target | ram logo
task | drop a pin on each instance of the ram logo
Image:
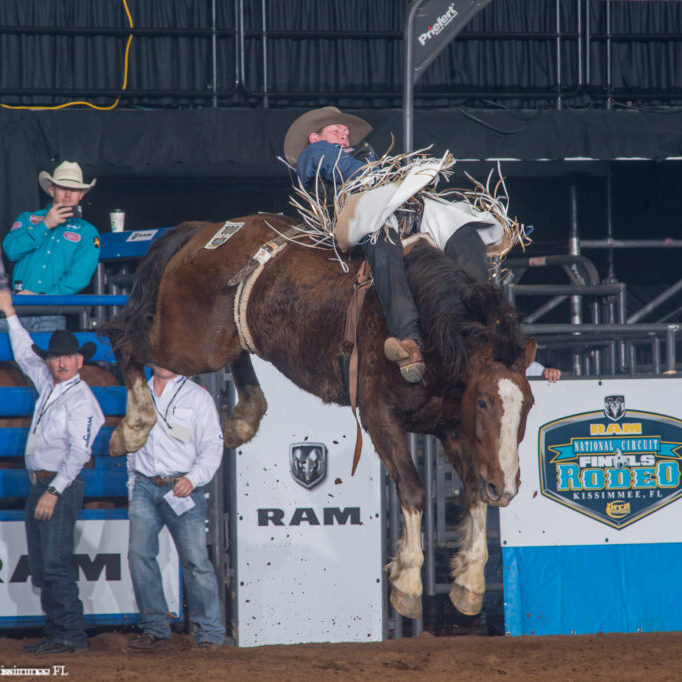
(308, 463)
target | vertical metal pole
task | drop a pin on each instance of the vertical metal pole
(612, 344)
(609, 222)
(396, 619)
(228, 571)
(588, 45)
(622, 319)
(417, 623)
(596, 353)
(429, 534)
(574, 250)
(558, 53)
(632, 355)
(238, 44)
(242, 48)
(608, 55)
(99, 289)
(580, 43)
(215, 504)
(671, 337)
(656, 354)
(264, 47)
(214, 54)
(408, 78)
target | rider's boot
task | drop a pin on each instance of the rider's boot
(408, 354)
(404, 346)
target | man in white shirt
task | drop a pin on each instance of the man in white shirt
(535, 369)
(166, 478)
(66, 419)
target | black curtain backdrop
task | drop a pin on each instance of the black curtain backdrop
(236, 144)
(488, 58)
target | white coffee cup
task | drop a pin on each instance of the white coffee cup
(117, 218)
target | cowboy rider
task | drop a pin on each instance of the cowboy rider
(324, 143)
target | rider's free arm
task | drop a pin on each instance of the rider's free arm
(334, 164)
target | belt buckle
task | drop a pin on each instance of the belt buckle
(32, 477)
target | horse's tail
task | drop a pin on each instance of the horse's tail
(128, 331)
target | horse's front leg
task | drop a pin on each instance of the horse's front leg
(405, 569)
(468, 564)
(241, 426)
(132, 431)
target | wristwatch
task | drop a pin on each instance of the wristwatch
(53, 491)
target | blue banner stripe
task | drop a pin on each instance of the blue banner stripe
(588, 589)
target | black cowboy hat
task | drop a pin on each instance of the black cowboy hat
(313, 121)
(63, 342)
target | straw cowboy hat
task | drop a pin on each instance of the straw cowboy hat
(313, 121)
(66, 174)
(64, 342)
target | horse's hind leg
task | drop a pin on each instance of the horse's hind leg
(468, 564)
(241, 426)
(132, 431)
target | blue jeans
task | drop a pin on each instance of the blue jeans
(148, 513)
(37, 323)
(50, 559)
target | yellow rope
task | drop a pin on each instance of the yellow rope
(89, 104)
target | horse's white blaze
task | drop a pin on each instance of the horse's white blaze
(468, 565)
(406, 567)
(512, 402)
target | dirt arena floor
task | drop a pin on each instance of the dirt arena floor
(648, 657)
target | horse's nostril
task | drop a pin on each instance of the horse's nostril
(493, 492)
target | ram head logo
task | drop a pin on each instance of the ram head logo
(308, 463)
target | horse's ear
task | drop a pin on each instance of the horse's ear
(529, 352)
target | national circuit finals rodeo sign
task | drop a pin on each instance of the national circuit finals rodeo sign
(613, 465)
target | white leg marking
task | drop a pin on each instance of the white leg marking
(406, 567)
(141, 409)
(469, 563)
(512, 401)
(140, 416)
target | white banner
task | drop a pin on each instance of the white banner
(101, 554)
(600, 463)
(309, 536)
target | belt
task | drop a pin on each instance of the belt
(162, 480)
(33, 476)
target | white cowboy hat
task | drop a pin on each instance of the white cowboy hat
(313, 121)
(66, 174)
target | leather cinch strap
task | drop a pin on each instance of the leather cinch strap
(246, 279)
(363, 280)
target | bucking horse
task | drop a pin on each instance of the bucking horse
(191, 311)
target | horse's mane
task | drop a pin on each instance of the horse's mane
(458, 314)
(128, 331)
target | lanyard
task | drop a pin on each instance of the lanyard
(47, 405)
(175, 395)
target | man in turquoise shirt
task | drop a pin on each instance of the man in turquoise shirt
(54, 250)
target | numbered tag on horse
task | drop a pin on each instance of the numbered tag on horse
(180, 432)
(228, 230)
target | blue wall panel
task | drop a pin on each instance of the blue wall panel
(586, 589)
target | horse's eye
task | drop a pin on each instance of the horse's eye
(482, 405)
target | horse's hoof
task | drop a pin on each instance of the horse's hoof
(465, 601)
(116, 446)
(405, 605)
(237, 432)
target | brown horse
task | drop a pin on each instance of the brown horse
(474, 396)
